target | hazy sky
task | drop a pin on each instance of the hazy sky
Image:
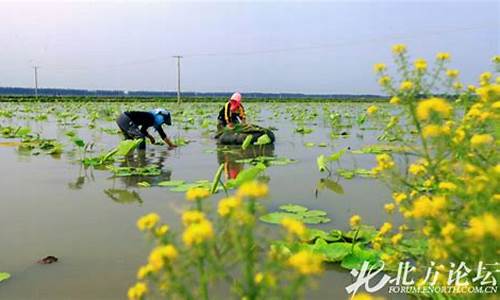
(326, 47)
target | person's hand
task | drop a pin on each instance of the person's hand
(230, 126)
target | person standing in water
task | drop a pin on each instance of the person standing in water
(135, 124)
(232, 113)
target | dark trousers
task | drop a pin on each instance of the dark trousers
(130, 130)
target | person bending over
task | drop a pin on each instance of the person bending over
(135, 124)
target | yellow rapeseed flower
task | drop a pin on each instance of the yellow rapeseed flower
(483, 225)
(144, 271)
(416, 169)
(162, 230)
(372, 109)
(420, 64)
(197, 193)
(447, 186)
(478, 140)
(148, 221)
(306, 262)
(192, 217)
(457, 85)
(452, 73)
(484, 78)
(384, 161)
(355, 221)
(399, 49)
(389, 208)
(448, 231)
(395, 239)
(437, 105)
(379, 68)
(294, 227)
(471, 88)
(258, 278)
(252, 189)
(399, 197)
(160, 255)
(365, 296)
(443, 56)
(385, 228)
(198, 233)
(138, 291)
(406, 85)
(226, 205)
(384, 80)
(496, 59)
(395, 100)
(427, 207)
(431, 131)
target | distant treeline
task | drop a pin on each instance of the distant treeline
(54, 94)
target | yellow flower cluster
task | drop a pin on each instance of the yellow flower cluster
(417, 169)
(447, 186)
(478, 140)
(481, 226)
(355, 221)
(372, 109)
(426, 206)
(160, 255)
(379, 68)
(399, 49)
(227, 205)
(384, 80)
(192, 217)
(148, 221)
(406, 85)
(294, 227)
(420, 64)
(452, 73)
(385, 228)
(138, 291)
(443, 56)
(198, 233)
(197, 193)
(399, 197)
(432, 131)
(433, 105)
(395, 100)
(384, 162)
(252, 189)
(306, 262)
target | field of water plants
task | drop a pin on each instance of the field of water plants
(346, 185)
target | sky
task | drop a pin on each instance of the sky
(299, 47)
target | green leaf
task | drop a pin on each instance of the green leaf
(314, 213)
(4, 276)
(171, 183)
(144, 184)
(127, 146)
(359, 255)
(246, 175)
(276, 217)
(293, 208)
(321, 163)
(332, 252)
(315, 220)
(79, 142)
(247, 142)
(216, 180)
(336, 156)
(263, 140)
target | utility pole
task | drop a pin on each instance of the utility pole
(35, 68)
(178, 78)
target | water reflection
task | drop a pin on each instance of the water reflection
(141, 159)
(232, 157)
(123, 196)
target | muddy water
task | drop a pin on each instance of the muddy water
(52, 206)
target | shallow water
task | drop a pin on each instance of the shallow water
(53, 206)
